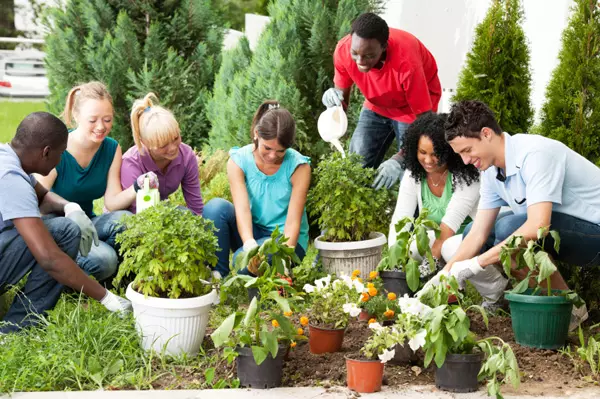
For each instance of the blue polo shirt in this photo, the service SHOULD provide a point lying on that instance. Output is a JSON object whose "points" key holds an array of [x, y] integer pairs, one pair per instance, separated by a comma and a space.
{"points": [[539, 169]]}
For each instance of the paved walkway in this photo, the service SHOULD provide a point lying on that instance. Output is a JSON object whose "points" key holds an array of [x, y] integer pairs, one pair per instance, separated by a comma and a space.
{"points": [[415, 392]]}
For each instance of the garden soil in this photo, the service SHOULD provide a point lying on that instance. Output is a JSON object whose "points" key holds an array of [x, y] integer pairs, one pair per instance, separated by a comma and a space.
{"points": [[543, 371]]}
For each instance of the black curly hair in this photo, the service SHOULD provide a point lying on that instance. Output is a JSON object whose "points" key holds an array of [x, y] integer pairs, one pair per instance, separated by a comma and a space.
{"points": [[431, 125], [371, 26], [468, 117]]}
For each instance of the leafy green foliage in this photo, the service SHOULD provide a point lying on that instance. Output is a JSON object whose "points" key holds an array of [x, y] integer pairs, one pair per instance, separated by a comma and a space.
{"points": [[499, 360], [291, 63], [408, 231], [497, 69], [341, 197], [170, 251], [331, 301], [381, 307], [573, 94], [234, 11], [381, 341], [305, 272], [217, 188], [171, 48]]}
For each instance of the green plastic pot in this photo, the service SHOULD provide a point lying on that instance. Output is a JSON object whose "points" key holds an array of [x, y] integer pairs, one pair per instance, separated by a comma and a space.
{"points": [[539, 321]]}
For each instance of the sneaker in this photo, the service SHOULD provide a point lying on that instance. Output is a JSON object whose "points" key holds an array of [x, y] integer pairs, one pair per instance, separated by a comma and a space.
{"points": [[578, 316]]}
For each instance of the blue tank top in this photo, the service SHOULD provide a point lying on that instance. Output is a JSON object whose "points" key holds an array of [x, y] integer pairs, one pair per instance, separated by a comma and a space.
{"points": [[84, 185], [270, 195]]}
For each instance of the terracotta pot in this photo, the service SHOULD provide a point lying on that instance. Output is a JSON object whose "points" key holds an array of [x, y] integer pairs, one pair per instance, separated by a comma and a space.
{"points": [[325, 340], [365, 316], [364, 376]]}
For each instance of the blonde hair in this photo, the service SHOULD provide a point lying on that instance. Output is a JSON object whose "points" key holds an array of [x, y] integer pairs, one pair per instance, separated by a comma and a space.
{"points": [[152, 125], [78, 94]]}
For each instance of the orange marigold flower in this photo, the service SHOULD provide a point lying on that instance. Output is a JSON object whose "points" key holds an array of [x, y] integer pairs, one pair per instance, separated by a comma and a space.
{"points": [[389, 313], [372, 291], [391, 296], [373, 275], [370, 285], [287, 314], [300, 331], [371, 321], [356, 273], [275, 323], [359, 279], [353, 278], [304, 320], [364, 297], [293, 344]]}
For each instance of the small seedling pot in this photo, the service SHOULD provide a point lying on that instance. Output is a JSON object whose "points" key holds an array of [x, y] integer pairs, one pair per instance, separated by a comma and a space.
{"points": [[345, 257], [266, 375], [325, 340], [539, 321], [403, 354], [459, 373], [365, 316], [395, 281], [364, 376], [174, 325]]}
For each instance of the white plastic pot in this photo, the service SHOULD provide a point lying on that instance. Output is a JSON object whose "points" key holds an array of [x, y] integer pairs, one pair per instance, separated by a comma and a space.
{"points": [[345, 257], [174, 325]]}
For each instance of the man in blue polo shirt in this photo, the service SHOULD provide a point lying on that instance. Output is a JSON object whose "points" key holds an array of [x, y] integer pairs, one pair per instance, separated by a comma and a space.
{"points": [[44, 248], [544, 183]]}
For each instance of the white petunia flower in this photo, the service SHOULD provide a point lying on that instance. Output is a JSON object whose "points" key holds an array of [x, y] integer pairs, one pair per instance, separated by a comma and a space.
{"points": [[413, 306], [387, 355], [376, 326], [351, 309], [418, 340], [308, 288], [322, 282], [347, 280], [358, 286]]}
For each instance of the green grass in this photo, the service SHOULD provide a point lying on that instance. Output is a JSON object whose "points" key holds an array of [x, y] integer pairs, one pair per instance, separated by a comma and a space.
{"points": [[11, 114]]}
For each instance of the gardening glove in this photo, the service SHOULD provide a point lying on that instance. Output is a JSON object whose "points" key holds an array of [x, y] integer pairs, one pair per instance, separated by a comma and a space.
{"points": [[490, 283], [388, 173], [333, 97], [115, 303], [433, 282], [250, 245], [465, 270], [88, 232], [152, 180]]}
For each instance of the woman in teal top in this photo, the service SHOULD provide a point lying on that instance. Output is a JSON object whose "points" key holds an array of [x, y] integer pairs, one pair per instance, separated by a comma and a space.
{"points": [[269, 182], [436, 179], [89, 169]]}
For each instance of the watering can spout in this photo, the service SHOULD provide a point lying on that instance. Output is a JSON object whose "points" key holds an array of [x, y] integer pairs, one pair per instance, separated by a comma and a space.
{"points": [[332, 125], [336, 143]]}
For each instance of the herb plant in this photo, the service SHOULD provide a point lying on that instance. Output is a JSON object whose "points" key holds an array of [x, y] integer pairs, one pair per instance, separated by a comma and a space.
{"points": [[272, 253], [169, 250], [410, 230], [381, 343], [341, 197]]}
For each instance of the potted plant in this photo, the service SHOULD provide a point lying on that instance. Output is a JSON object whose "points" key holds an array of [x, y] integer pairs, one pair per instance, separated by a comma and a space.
{"points": [[170, 251], [540, 316], [399, 271], [331, 305], [376, 304], [350, 215], [461, 360], [260, 336]]}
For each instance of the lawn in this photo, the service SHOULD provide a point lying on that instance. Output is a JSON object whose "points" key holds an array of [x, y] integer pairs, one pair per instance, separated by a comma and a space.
{"points": [[12, 112]]}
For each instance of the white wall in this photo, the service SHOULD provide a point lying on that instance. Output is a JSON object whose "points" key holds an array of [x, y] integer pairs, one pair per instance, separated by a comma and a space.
{"points": [[447, 29]]}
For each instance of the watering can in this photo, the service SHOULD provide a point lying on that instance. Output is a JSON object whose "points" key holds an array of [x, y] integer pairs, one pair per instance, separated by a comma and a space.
{"points": [[146, 196], [332, 125]]}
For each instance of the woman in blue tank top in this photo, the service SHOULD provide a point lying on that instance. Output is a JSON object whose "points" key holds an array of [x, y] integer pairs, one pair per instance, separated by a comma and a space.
{"points": [[269, 182], [89, 169]]}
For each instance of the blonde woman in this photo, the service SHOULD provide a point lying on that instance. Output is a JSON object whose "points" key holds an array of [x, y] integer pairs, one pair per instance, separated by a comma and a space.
{"points": [[160, 154], [90, 169]]}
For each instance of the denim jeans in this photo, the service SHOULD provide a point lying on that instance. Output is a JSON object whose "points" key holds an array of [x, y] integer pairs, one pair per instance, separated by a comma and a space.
{"points": [[41, 291], [222, 213], [102, 261], [579, 239], [373, 136]]}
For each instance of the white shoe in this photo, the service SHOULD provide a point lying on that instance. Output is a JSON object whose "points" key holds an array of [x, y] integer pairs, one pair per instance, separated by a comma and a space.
{"points": [[490, 283], [578, 316]]}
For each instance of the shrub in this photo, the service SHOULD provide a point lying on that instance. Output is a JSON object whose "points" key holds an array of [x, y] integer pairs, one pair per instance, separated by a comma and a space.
{"points": [[497, 69]]}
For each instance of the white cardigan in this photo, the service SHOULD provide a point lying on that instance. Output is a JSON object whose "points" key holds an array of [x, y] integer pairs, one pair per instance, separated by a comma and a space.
{"points": [[462, 204]]}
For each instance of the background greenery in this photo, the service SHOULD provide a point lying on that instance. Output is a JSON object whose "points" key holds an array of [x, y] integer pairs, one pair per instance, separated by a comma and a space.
{"points": [[11, 114]]}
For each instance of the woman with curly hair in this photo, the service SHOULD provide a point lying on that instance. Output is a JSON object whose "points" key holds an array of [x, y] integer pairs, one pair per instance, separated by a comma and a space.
{"points": [[435, 179]]}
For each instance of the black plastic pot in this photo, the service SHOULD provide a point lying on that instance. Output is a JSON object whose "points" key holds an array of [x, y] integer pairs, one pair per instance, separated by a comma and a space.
{"points": [[253, 292], [266, 375], [403, 354], [459, 373], [395, 281]]}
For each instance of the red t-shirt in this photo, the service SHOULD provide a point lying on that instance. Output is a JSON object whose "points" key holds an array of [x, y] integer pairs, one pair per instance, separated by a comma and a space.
{"points": [[405, 86]]}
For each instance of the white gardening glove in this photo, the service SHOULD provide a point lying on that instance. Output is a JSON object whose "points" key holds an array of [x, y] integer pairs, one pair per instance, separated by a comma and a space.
{"points": [[433, 282], [250, 244], [465, 270], [490, 283], [88, 232], [115, 303], [333, 98], [388, 173]]}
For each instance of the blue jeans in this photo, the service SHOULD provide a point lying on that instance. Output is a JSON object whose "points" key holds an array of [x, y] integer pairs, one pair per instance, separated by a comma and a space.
{"points": [[102, 261], [579, 239], [373, 136], [222, 213], [41, 291]]}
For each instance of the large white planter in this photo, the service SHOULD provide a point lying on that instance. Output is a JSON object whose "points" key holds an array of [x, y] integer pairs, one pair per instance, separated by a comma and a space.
{"points": [[344, 257], [174, 325]]}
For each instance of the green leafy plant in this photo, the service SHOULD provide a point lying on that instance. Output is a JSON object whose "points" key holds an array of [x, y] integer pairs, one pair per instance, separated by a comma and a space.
{"points": [[307, 271], [408, 231], [588, 352], [170, 251], [377, 303], [380, 345], [273, 253], [500, 360], [347, 207]]}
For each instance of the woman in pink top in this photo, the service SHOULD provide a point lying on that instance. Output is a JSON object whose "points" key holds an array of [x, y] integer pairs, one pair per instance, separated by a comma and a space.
{"points": [[159, 153]]}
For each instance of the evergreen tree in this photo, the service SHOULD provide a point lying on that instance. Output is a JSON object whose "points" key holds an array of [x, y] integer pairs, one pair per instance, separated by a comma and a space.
{"points": [[293, 63], [497, 69], [571, 113], [171, 48]]}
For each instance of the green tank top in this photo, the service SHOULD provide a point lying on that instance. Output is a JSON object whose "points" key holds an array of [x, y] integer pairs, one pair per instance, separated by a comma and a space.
{"points": [[84, 185], [437, 205]]}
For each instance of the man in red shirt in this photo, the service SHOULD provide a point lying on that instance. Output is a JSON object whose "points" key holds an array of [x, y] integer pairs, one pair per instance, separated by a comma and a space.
{"points": [[397, 76]]}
